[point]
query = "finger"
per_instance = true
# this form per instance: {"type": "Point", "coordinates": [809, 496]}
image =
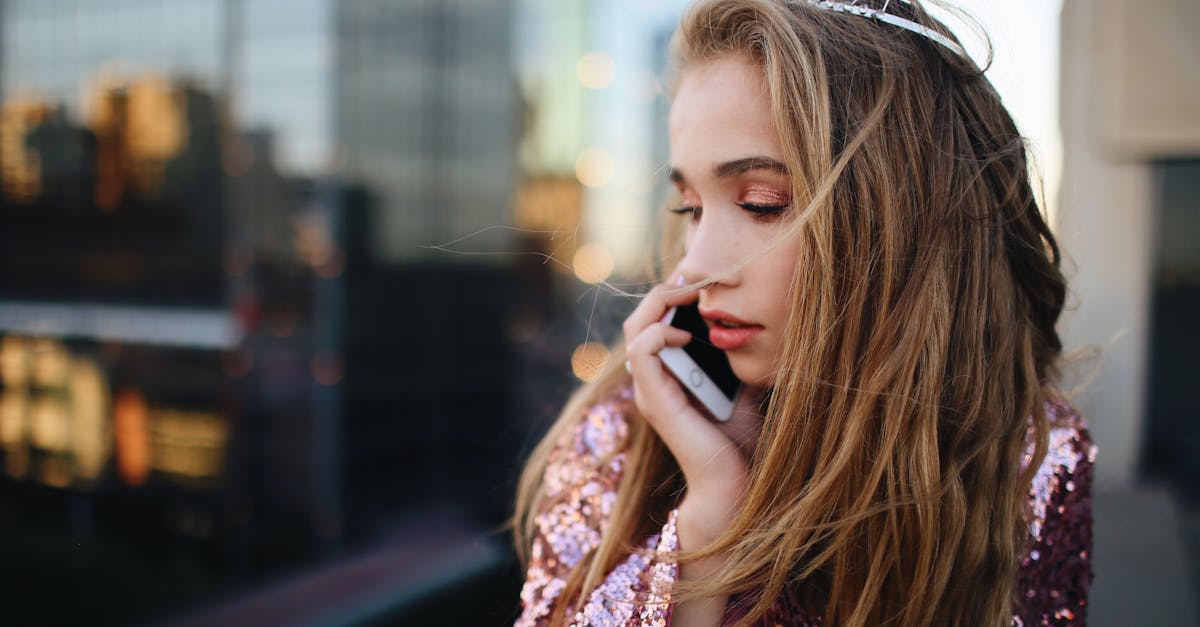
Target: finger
{"type": "Point", "coordinates": [655, 304]}
{"type": "Point", "coordinates": [675, 337]}
{"type": "Point", "coordinates": [645, 366]}
{"type": "Point", "coordinates": [694, 440]}
{"type": "Point", "coordinates": [650, 310]}
{"type": "Point", "coordinates": [653, 339]}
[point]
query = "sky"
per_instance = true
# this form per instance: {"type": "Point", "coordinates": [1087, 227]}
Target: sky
{"type": "Point", "coordinates": [1025, 42]}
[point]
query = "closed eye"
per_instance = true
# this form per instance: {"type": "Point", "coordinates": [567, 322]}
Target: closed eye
{"type": "Point", "coordinates": [694, 212]}
{"type": "Point", "coordinates": [763, 210]}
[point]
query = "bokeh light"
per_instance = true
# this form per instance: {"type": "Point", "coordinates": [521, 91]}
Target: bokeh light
{"type": "Point", "coordinates": [593, 263]}
{"type": "Point", "coordinates": [187, 444]}
{"type": "Point", "coordinates": [588, 360]}
{"type": "Point", "coordinates": [91, 437]}
{"type": "Point", "coordinates": [131, 426]}
{"type": "Point", "coordinates": [13, 407]}
{"type": "Point", "coordinates": [14, 361]}
{"type": "Point", "coordinates": [49, 427]}
{"type": "Point", "coordinates": [51, 362]}
{"type": "Point", "coordinates": [594, 167]}
{"type": "Point", "coordinates": [597, 70]}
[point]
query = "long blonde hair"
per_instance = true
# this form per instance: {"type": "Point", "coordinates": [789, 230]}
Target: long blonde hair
{"type": "Point", "coordinates": [888, 484]}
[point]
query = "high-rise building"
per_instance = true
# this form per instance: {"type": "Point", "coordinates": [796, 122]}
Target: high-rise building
{"type": "Point", "coordinates": [219, 225]}
{"type": "Point", "coordinates": [426, 115]}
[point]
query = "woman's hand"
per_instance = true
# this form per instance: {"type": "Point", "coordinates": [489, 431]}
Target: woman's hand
{"type": "Point", "coordinates": [709, 453]}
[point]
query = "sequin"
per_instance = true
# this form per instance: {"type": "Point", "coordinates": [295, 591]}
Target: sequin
{"type": "Point", "coordinates": [585, 468]}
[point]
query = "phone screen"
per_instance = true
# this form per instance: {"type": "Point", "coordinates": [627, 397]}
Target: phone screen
{"type": "Point", "coordinates": [711, 359]}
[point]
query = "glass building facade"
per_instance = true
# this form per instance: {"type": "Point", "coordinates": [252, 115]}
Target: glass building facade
{"type": "Point", "coordinates": [288, 289]}
{"type": "Point", "coordinates": [230, 346]}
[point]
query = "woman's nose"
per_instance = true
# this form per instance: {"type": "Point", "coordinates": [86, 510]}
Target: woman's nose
{"type": "Point", "coordinates": [711, 252]}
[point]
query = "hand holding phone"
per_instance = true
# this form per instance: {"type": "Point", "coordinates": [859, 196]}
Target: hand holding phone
{"type": "Point", "coordinates": [669, 351]}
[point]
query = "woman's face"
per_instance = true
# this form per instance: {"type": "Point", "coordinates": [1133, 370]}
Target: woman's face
{"type": "Point", "coordinates": [735, 193]}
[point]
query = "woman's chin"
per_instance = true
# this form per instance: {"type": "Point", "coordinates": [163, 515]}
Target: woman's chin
{"type": "Point", "coordinates": [751, 373]}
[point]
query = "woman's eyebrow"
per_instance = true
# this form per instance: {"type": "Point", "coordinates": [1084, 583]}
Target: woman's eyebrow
{"type": "Point", "coordinates": [738, 166]}
{"type": "Point", "coordinates": [735, 167]}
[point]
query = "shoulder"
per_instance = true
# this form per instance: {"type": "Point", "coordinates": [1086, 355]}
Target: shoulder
{"type": "Point", "coordinates": [593, 445]}
{"type": "Point", "coordinates": [580, 482]}
{"type": "Point", "coordinates": [1070, 453]}
{"type": "Point", "coordinates": [605, 425]}
{"type": "Point", "coordinates": [1055, 572]}
{"type": "Point", "coordinates": [1067, 464]}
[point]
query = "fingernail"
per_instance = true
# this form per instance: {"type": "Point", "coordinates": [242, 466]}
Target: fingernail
{"type": "Point", "coordinates": [679, 282]}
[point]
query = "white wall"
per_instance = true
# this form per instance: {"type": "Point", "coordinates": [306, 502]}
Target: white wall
{"type": "Point", "coordinates": [1110, 50]}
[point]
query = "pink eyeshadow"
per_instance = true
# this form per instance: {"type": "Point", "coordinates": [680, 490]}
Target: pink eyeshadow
{"type": "Point", "coordinates": [765, 195]}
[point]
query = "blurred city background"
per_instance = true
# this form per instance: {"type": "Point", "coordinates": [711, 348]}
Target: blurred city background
{"type": "Point", "coordinates": [289, 288]}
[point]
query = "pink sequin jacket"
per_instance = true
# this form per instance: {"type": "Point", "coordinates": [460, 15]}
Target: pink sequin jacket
{"type": "Point", "coordinates": [580, 490]}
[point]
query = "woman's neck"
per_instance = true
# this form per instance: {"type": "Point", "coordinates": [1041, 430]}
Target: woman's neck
{"type": "Point", "coordinates": [745, 425]}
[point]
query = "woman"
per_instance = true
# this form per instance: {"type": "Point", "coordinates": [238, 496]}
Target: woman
{"type": "Point", "coordinates": [857, 226]}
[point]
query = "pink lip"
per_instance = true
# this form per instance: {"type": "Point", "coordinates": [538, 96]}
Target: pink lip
{"type": "Point", "coordinates": [727, 338]}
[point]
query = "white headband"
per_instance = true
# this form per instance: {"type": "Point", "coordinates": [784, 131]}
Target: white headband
{"type": "Point", "coordinates": [894, 20]}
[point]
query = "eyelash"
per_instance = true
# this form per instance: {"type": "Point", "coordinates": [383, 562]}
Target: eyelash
{"type": "Point", "coordinates": [760, 211]}
{"type": "Point", "coordinates": [763, 210]}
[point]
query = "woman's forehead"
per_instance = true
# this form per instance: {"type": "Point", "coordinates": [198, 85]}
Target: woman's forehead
{"type": "Point", "coordinates": [721, 112]}
{"type": "Point", "coordinates": [731, 75]}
